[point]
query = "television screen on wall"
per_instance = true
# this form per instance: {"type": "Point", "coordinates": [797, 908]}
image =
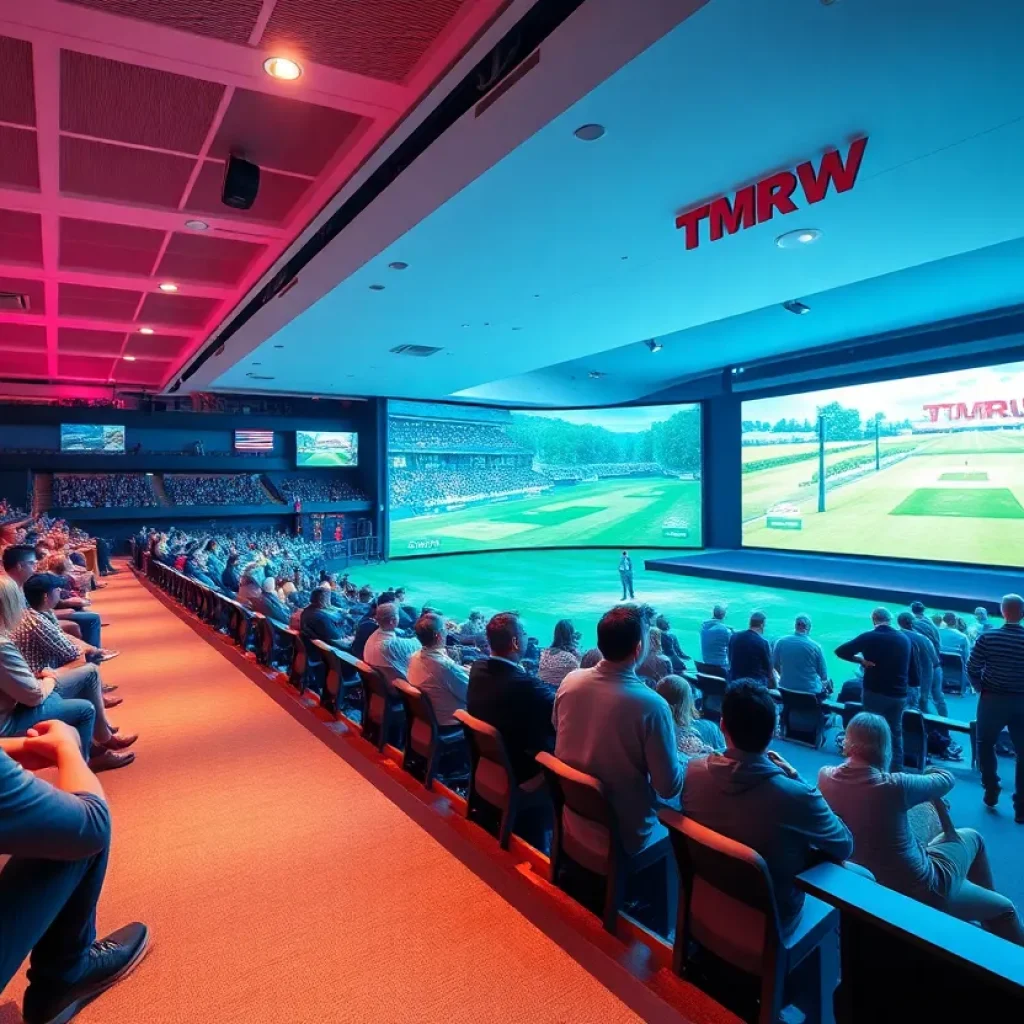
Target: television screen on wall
{"type": "Point", "coordinates": [928, 467]}
{"type": "Point", "coordinates": [91, 437]}
{"type": "Point", "coordinates": [464, 478]}
{"type": "Point", "coordinates": [326, 449]}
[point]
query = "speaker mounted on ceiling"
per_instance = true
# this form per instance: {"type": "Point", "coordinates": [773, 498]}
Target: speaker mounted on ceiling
{"type": "Point", "coordinates": [241, 183]}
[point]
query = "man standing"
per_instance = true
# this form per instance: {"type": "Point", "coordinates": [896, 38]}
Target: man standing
{"type": "Point", "coordinates": [996, 667]}
{"type": "Point", "coordinates": [922, 653]}
{"type": "Point", "coordinates": [884, 653]}
{"type": "Point", "coordinates": [714, 639]}
{"type": "Point", "coordinates": [924, 625]}
{"type": "Point", "coordinates": [952, 641]}
{"type": "Point", "coordinates": [435, 674]}
{"type": "Point", "coordinates": [626, 575]}
{"type": "Point", "coordinates": [800, 661]}
{"type": "Point", "coordinates": [750, 655]}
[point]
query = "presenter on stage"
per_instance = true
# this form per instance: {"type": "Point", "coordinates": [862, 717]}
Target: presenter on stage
{"type": "Point", "coordinates": [626, 574]}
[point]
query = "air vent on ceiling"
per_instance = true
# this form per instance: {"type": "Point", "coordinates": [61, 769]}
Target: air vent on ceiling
{"type": "Point", "coordinates": [420, 351]}
{"type": "Point", "coordinates": [14, 301]}
{"type": "Point", "coordinates": [258, 376]}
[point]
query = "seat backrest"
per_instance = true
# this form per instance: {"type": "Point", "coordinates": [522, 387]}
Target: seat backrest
{"type": "Point", "coordinates": [729, 900]}
{"type": "Point", "coordinates": [332, 678]}
{"type": "Point", "coordinates": [801, 711]}
{"type": "Point", "coordinates": [951, 659]}
{"type": "Point", "coordinates": [850, 708]}
{"type": "Point", "coordinates": [915, 741]}
{"type": "Point", "coordinates": [706, 669]}
{"type": "Point", "coordinates": [493, 777]}
{"type": "Point", "coordinates": [585, 826]}
{"type": "Point", "coordinates": [423, 722]}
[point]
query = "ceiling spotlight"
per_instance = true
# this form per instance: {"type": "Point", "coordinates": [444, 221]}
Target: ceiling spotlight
{"type": "Point", "coordinates": [145, 330]}
{"type": "Point", "coordinates": [653, 345]}
{"type": "Point", "coordinates": [595, 375]}
{"type": "Point", "coordinates": [128, 359]}
{"type": "Point", "coordinates": [196, 225]}
{"type": "Point", "coordinates": [398, 265]}
{"type": "Point", "coordinates": [796, 307]}
{"type": "Point", "coordinates": [795, 239]}
{"type": "Point", "coordinates": [376, 287]}
{"type": "Point", "coordinates": [589, 132]}
{"type": "Point", "coordinates": [168, 286]}
{"type": "Point", "coordinates": [281, 68]}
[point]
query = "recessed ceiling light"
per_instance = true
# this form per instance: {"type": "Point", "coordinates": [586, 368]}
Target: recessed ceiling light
{"type": "Point", "coordinates": [145, 330]}
{"type": "Point", "coordinates": [595, 374]}
{"type": "Point", "coordinates": [465, 325]}
{"type": "Point", "coordinates": [168, 286]}
{"type": "Point", "coordinates": [795, 239]}
{"type": "Point", "coordinates": [796, 307]}
{"type": "Point", "coordinates": [128, 359]}
{"type": "Point", "coordinates": [257, 363]}
{"type": "Point", "coordinates": [653, 345]}
{"type": "Point", "coordinates": [282, 68]}
{"type": "Point", "coordinates": [398, 265]}
{"type": "Point", "coordinates": [196, 225]}
{"type": "Point", "coordinates": [376, 287]}
{"type": "Point", "coordinates": [589, 132]}
{"type": "Point", "coordinates": [517, 328]}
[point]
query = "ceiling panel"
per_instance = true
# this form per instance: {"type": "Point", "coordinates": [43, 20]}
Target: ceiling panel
{"type": "Point", "coordinates": [200, 257]}
{"type": "Point", "coordinates": [34, 291]}
{"type": "Point", "coordinates": [89, 168]}
{"type": "Point", "coordinates": [117, 248]}
{"type": "Point", "coordinates": [19, 163]}
{"type": "Point", "coordinates": [25, 337]}
{"type": "Point", "coordinates": [88, 342]}
{"type": "Point", "coordinates": [177, 310]}
{"type": "Point", "coordinates": [23, 364]}
{"type": "Point", "coordinates": [82, 300]}
{"type": "Point", "coordinates": [17, 92]}
{"type": "Point", "coordinates": [21, 237]}
{"type": "Point", "coordinates": [230, 20]}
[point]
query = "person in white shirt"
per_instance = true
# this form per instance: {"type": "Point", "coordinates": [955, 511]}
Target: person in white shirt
{"type": "Point", "coordinates": [432, 672]}
{"type": "Point", "coordinates": [385, 649]}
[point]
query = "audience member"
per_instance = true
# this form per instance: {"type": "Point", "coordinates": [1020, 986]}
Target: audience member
{"type": "Point", "coordinates": [57, 837]}
{"type": "Point", "coordinates": [924, 625]}
{"type": "Point", "coordinates": [695, 736]}
{"type": "Point", "coordinates": [270, 604]}
{"type": "Point", "coordinates": [926, 661]}
{"type": "Point", "coordinates": [655, 665]}
{"type": "Point", "coordinates": [435, 674]}
{"type": "Point", "coordinates": [951, 873]}
{"type": "Point", "coordinates": [996, 667]}
{"type": "Point", "coordinates": [670, 645]}
{"type": "Point", "coordinates": [889, 672]}
{"type": "Point", "coordinates": [750, 655]}
{"type": "Point", "coordinates": [385, 649]}
{"type": "Point", "coordinates": [800, 661]}
{"type": "Point", "coordinates": [516, 703]}
{"type": "Point", "coordinates": [562, 657]}
{"type": "Point", "coordinates": [317, 622]}
{"type": "Point", "coordinates": [751, 795]}
{"type": "Point", "coordinates": [714, 639]}
{"type": "Point", "coordinates": [980, 625]}
{"type": "Point", "coordinates": [590, 658]}
{"type": "Point", "coordinates": [475, 625]}
{"type": "Point", "coordinates": [610, 724]}
{"type": "Point", "coordinates": [230, 578]}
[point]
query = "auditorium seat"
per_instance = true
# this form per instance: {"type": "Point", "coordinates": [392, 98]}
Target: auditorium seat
{"type": "Point", "coordinates": [338, 683]}
{"type": "Point", "coordinates": [586, 835]}
{"type": "Point", "coordinates": [383, 715]}
{"type": "Point", "coordinates": [952, 665]}
{"type": "Point", "coordinates": [425, 741]}
{"type": "Point", "coordinates": [727, 906]}
{"type": "Point", "coordinates": [492, 782]}
{"type": "Point", "coordinates": [712, 688]}
{"type": "Point", "coordinates": [801, 719]}
{"type": "Point", "coordinates": [915, 742]}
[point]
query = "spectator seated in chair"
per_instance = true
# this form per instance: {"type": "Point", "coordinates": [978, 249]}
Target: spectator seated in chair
{"type": "Point", "coordinates": [562, 657]}
{"type": "Point", "coordinates": [670, 645]}
{"type": "Point", "coordinates": [694, 736]}
{"type": "Point", "coordinates": [951, 873]}
{"type": "Point", "coordinates": [656, 665]}
{"type": "Point", "coordinates": [385, 649]}
{"type": "Point", "coordinates": [432, 672]}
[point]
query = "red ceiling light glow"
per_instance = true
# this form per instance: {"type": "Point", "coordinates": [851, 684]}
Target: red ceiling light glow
{"type": "Point", "coordinates": [145, 330]}
{"type": "Point", "coordinates": [128, 359]}
{"type": "Point", "coordinates": [168, 286]}
{"type": "Point", "coordinates": [282, 68]}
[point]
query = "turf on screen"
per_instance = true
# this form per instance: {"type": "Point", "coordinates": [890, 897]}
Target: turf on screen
{"type": "Point", "coordinates": [928, 467]}
{"type": "Point", "coordinates": [475, 479]}
{"type": "Point", "coordinates": [330, 449]}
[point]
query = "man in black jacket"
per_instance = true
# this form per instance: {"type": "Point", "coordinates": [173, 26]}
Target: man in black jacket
{"type": "Point", "coordinates": [317, 622]}
{"type": "Point", "coordinates": [750, 655]}
{"type": "Point", "coordinates": [889, 671]}
{"type": "Point", "coordinates": [518, 705]}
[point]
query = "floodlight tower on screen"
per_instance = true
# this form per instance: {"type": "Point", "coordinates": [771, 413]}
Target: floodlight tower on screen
{"type": "Point", "coordinates": [469, 478]}
{"type": "Point", "coordinates": [928, 467]}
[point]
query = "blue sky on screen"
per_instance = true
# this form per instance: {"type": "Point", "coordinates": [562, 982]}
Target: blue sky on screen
{"type": "Point", "coordinates": [622, 421]}
{"type": "Point", "coordinates": [899, 399]}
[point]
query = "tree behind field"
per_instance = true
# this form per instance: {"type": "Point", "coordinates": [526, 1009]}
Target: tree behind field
{"type": "Point", "coordinates": [841, 424]}
{"type": "Point", "coordinates": [677, 441]}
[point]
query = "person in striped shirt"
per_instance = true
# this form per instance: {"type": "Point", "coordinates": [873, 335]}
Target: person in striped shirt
{"type": "Point", "coordinates": [996, 667]}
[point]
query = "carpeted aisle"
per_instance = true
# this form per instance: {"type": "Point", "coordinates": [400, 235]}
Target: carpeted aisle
{"type": "Point", "coordinates": [280, 885]}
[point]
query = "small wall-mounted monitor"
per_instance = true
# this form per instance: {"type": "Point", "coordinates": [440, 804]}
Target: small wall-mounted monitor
{"type": "Point", "coordinates": [254, 440]}
{"type": "Point", "coordinates": [91, 437]}
{"type": "Point", "coordinates": [331, 449]}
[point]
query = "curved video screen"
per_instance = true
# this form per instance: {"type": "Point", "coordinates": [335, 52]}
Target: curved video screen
{"type": "Point", "coordinates": [928, 467]}
{"type": "Point", "coordinates": [467, 478]}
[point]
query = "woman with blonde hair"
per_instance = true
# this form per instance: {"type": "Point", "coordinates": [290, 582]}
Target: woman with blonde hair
{"type": "Point", "coordinates": [952, 872]}
{"type": "Point", "coordinates": [695, 737]}
{"type": "Point", "coordinates": [656, 665]}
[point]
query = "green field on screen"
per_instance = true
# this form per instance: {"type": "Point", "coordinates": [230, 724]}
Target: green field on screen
{"type": "Point", "coordinates": [605, 512]}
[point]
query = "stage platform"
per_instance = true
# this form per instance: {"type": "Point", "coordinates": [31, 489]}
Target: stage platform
{"type": "Point", "coordinates": [952, 587]}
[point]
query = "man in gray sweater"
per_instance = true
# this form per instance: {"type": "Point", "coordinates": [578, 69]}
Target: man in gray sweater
{"type": "Point", "coordinates": [751, 795]}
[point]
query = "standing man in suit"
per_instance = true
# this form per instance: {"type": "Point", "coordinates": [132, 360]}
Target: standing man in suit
{"type": "Point", "coordinates": [626, 575]}
{"type": "Point", "coordinates": [517, 704]}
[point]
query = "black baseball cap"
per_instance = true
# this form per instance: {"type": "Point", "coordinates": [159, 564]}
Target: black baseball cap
{"type": "Point", "coordinates": [42, 583]}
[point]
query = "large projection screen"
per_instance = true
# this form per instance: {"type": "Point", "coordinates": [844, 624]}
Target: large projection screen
{"type": "Point", "coordinates": [928, 467]}
{"type": "Point", "coordinates": [465, 478]}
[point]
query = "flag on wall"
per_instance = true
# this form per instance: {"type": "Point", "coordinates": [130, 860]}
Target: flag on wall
{"type": "Point", "coordinates": [254, 440]}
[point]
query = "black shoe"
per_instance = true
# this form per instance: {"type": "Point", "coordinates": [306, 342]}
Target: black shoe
{"type": "Point", "coordinates": [1018, 814]}
{"type": "Point", "coordinates": [991, 796]}
{"type": "Point", "coordinates": [110, 960]}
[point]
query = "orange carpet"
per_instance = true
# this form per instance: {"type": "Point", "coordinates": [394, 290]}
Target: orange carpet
{"type": "Point", "coordinates": [279, 884]}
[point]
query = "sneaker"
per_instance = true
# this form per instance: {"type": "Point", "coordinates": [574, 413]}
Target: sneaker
{"type": "Point", "coordinates": [119, 742]}
{"type": "Point", "coordinates": [107, 655]}
{"type": "Point", "coordinates": [112, 702]}
{"type": "Point", "coordinates": [109, 687]}
{"type": "Point", "coordinates": [109, 960]}
{"type": "Point", "coordinates": [111, 759]}
{"type": "Point", "coordinates": [991, 796]}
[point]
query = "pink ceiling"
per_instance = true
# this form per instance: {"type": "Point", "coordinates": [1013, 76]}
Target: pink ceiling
{"type": "Point", "coordinates": [116, 117]}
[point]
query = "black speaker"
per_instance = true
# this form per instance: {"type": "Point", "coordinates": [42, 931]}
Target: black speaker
{"type": "Point", "coordinates": [241, 183]}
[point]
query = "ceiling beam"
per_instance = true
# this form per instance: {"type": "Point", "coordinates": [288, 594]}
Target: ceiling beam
{"type": "Point", "coordinates": [94, 323]}
{"type": "Point", "coordinates": [134, 41]}
{"type": "Point", "coordinates": [103, 279]}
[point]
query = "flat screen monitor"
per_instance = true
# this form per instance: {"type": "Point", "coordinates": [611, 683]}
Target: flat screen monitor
{"type": "Point", "coordinates": [464, 478]}
{"type": "Point", "coordinates": [254, 440]}
{"type": "Point", "coordinates": [327, 449]}
{"type": "Point", "coordinates": [91, 437]}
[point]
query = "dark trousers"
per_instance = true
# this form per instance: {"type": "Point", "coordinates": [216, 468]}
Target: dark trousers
{"type": "Point", "coordinates": [891, 709]}
{"type": "Point", "coordinates": [627, 584]}
{"type": "Point", "coordinates": [48, 908]}
{"type": "Point", "coordinates": [103, 555]}
{"type": "Point", "coordinates": [998, 711]}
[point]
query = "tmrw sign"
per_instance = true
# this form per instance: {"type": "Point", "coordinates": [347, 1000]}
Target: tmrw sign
{"type": "Point", "coordinates": [761, 201]}
{"type": "Point", "coordinates": [999, 409]}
